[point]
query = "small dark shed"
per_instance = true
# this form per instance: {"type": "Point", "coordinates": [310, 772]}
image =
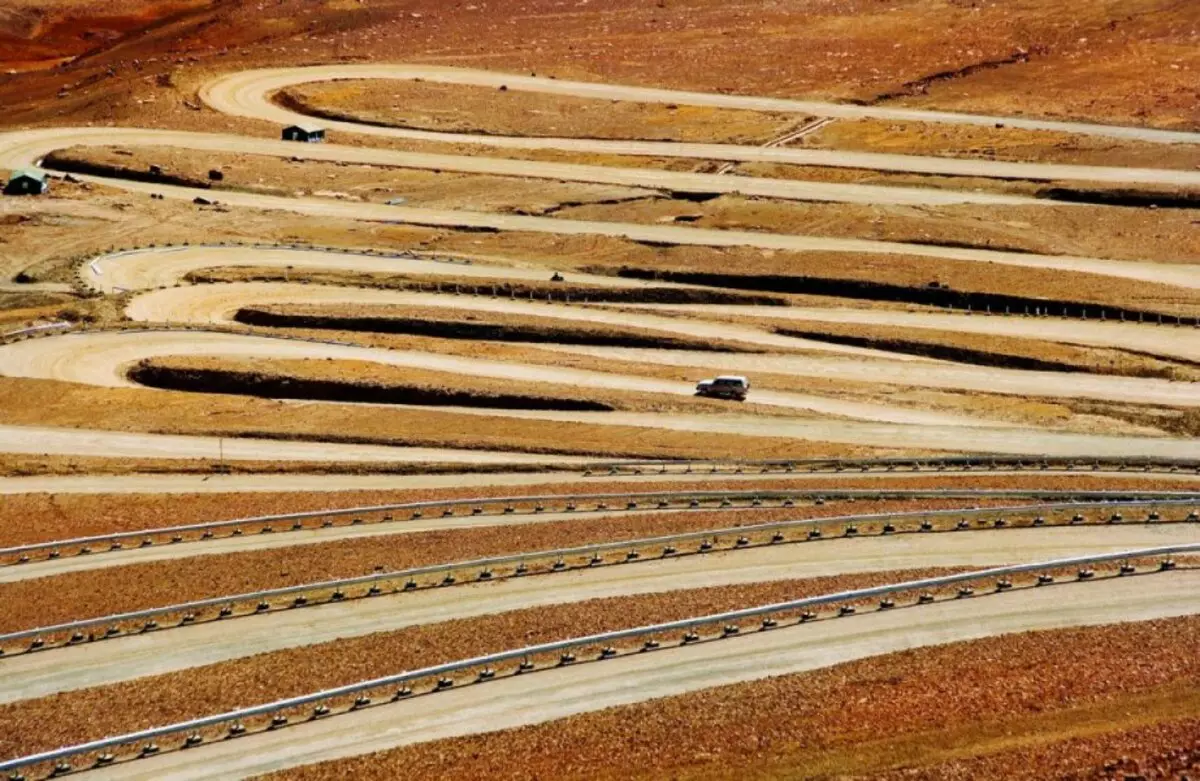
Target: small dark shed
{"type": "Point", "coordinates": [27, 183]}
{"type": "Point", "coordinates": [308, 133]}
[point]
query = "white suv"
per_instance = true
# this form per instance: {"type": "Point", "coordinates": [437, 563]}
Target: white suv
{"type": "Point", "coordinates": [724, 387]}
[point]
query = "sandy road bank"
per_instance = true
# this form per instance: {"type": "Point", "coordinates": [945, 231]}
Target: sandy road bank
{"type": "Point", "coordinates": [1166, 340]}
{"type": "Point", "coordinates": [17, 151]}
{"type": "Point", "coordinates": [102, 358]}
{"type": "Point", "coordinates": [267, 483]}
{"type": "Point", "coordinates": [248, 94]}
{"type": "Point", "coordinates": [219, 303]}
{"type": "Point", "coordinates": [133, 656]}
{"type": "Point", "coordinates": [556, 693]}
{"type": "Point", "coordinates": [43, 440]}
{"type": "Point", "coordinates": [977, 439]}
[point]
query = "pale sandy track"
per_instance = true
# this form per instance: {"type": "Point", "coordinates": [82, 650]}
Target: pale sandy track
{"type": "Point", "coordinates": [219, 303]}
{"type": "Point", "coordinates": [1166, 340]}
{"type": "Point", "coordinates": [102, 358]}
{"type": "Point", "coordinates": [267, 483]}
{"type": "Point", "coordinates": [164, 267]}
{"type": "Point", "coordinates": [49, 440]}
{"type": "Point", "coordinates": [32, 145]}
{"type": "Point", "coordinates": [983, 379]}
{"type": "Point", "coordinates": [99, 357]}
{"type": "Point", "coordinates": [1179, 274]}
{"type": "Point", "coordinates": [248, 93]}
{"type": "Point", "coordinates": [553, 694]}
{"type": "Point", "coordinates": [145, 269]}
{"type": "Point", "coordinates": [64, 669]}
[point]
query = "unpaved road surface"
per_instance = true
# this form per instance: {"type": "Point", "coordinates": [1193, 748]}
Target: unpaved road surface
{"type": "Point", "coordinates": [49, 440]}
{"type": "Point", "coordinates": [133, 656]}
{"type": "Point", "coordinates": [515, 701]}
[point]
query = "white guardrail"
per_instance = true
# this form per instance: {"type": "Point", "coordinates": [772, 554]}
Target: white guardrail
{"type": "Point", "coordinates": [438, 677]}
{"type": "Point", "coordinates": [534, 562]}
{"type": "Point", "coordinates": [116, 541]}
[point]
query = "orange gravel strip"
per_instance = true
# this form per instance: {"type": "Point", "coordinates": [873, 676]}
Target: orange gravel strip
{"type": "Point", "coordinates": [1169, 750]}
{"type": "Point", "coordinates": [72, 596]}
{"type": "Point", "coordinates": [856, 719]}
{"type": "Point", "coordinates": [30, 518]}
{"type": "Point", "coordinates": [77, 716]}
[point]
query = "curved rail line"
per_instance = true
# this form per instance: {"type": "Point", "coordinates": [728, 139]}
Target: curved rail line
{"type": "Point", "coordinates": [599, 647]}
{"type": "Point", "coordinates": [591, 555]}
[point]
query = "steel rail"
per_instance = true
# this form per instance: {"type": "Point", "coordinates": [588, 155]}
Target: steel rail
{"type": "Point", "coordinates": [116, 540]}
{"type": "Point", "coordinates": [277, 708]}
{"type": "Point", "coordinates": [557, 554]}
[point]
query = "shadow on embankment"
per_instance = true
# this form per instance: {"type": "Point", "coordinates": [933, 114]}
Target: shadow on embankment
{"type": "Point", "coordinates": [243, 383]}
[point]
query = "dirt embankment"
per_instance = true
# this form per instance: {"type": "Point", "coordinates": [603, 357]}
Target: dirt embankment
{"type": "Point", "coordinates": [477, 327]}
{"type": "Point", "coordinates": [489, 111]}
{"type": "Point", "coordinates": [987, 350]}
{"type": "Point", "coordinates": [933, 294]}
{"type": "Point", "coordinates": [533, 291]}
{"type": "Point", "coordinates": [50, 402]}
{"type": "Point", "coordinates": [277, 386]}
{"type": "Point", "coordinates": [72, 162]}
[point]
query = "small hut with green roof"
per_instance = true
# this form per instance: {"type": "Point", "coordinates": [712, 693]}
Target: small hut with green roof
{"type": "Point", "coordinates": [27, 182]}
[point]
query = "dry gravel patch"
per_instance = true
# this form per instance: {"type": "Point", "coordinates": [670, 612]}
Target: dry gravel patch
{"type": "Point", "coordinates": [279, 176]}
{"type": "Point", "coordinates": [1104, 751]}
{"type": "Point", "coordinates": [998, 143]}
{"type": "Point", "coordinates": [489, 111]}
{"type": "Point", "coordinates": [775, 728]}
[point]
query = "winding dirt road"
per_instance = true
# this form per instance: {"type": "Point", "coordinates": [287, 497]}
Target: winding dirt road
{"type": "Point", "coordinates": [133, 656]}
{"type": "Point", "coordinates": [515, 701]}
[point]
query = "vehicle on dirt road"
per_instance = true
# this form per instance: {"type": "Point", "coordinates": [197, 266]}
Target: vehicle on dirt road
{"type": "Point", "coordinates": [724, 387]}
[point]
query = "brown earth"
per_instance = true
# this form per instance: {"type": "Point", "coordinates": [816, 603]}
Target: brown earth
{"type": "Point", "coordinates": [341, 181]}
{"type": "Point", "coordinates": [274, 379]}
{"type": "Point", "coordinates": [487, 111]}
{"type": "Point", "coordinates": [76, 716]}
{"type": "Point", "coordinates": [100, 592]}
{"type": "Point", "coordinates": [23, 465]}
{"type": "Point", "coordinates": [49, 402]}
{"type": "Point", "coordinates": [1102, 746]}
{"type": "Point", "coordinates": [988, 143]}
{"type": "Point", "coordinates": [485, 326]}
{"type": "Point", "coordinates": [1163, 235]}
{"type": "Point", "coordinates": [1039, 57]}
{"type": "Point", "coordinates": [1072, 414]}
{"type": "Point", "coordinates": [895, 712]}
{"type": "Point", "coordinates": [818, 278]}
{"type": "Point", "coordinates": [30, 518]}
{"type": "Point", "coordinates": [37, 34]}
{"type": "Point", "coordinates": [366, 382]}
{"type": "Point", "coordinates": [990, 350]}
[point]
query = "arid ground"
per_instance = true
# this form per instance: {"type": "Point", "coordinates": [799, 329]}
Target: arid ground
{"type": "Point", "coordinates": [382, 454]}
